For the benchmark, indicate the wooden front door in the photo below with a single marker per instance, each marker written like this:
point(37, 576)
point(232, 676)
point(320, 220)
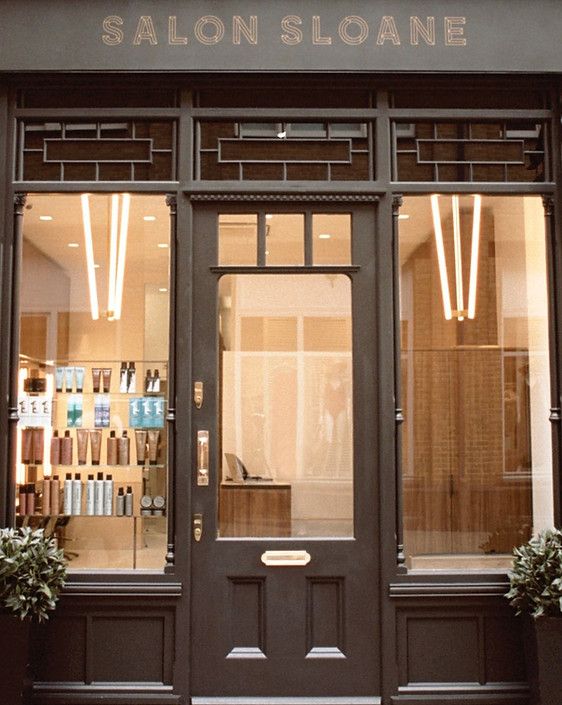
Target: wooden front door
point(285, 557)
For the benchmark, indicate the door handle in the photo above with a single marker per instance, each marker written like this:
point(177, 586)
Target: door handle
point(197, 527)
point(202, 458)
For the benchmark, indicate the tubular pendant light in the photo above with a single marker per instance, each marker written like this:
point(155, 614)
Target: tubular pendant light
point(460, 312)
point(122, 253)
point(441, 257)
point(113, 255)
point(474, 256)
point(92, 287)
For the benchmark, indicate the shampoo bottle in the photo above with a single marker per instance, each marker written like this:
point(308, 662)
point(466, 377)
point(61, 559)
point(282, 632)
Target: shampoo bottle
point(129, 502)
point(67, 506)
point(98, 495)
point(124, 449)
point(77, 494)
point(90, 496)
point(108, 496)
point(55, 496)
point(112, 450)
point(120, 503)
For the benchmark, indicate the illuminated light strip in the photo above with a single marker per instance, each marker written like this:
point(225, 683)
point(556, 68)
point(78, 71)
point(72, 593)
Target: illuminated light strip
point(20, 467)
point(458, 257)
point(441, 257)
point(87, 223)
point(474, 256)
point(113, 255)
point(47, 467)
point(120, 277)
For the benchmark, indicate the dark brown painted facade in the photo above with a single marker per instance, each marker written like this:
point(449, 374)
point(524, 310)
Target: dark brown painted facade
point(419, 637)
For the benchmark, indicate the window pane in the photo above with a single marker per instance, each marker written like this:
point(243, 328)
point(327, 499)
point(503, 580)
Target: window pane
point(286, 405)
point(284, 238)
point(477, 473)
point(94, 308)
point(331, 235)
point(238, 239)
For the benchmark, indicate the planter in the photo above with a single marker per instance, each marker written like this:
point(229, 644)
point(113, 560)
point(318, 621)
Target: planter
point(14, 645)
point(543, 651)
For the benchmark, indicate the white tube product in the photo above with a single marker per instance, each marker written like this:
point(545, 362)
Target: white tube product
point(67, 502)
point(108, 496)
point(98, 495)
point(90, 496)
point(77, 495)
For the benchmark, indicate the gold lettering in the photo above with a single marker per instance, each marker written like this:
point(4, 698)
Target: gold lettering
point(173, 31)
point(292, 35)
point(454, 31)
point(425, 31)
point(216, 23)
point(115, 35)
point(343, 30)
point(317, 37)
point(387, 30)
point(145, 30)
point(239, 28)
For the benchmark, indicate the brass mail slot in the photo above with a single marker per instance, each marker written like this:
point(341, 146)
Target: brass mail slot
point(280, 558)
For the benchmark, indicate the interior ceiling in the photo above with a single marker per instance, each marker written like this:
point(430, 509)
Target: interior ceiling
point(51, 237)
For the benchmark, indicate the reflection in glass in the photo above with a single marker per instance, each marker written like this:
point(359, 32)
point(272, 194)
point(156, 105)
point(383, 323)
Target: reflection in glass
point(476, 450)
point(238, 239)
point(286, 405)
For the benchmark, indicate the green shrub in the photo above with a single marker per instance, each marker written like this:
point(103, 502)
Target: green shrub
point(536, 576)
point(32, 572)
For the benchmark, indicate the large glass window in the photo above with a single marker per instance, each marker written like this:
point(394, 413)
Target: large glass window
point(286, 405)
point(91, 455)
point(476, 443)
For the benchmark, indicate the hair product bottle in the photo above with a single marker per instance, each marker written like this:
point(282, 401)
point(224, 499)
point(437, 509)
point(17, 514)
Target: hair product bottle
point(112, 449)
point(67, 505)
point(120, 503)
point(22, 508)
point(55, 496)
point(129, 502)
point(77, 494)
point(26, 445)
point(38, 445)
point(123, 378)
point(140, 445)
point(82, 445)
point(55, 448)
point(108, 496)
point(46, 498)
point(66, 449)
point(131, 378)
point(95, 445)
point(90, 496)
point(30, 499)
point(98, 495)
point(124, 449)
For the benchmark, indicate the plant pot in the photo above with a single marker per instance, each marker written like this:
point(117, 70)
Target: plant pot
point(543, 649)
point(14, 645)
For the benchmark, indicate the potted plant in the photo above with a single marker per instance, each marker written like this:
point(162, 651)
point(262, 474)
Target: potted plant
point(536, 590)
point(32, 573)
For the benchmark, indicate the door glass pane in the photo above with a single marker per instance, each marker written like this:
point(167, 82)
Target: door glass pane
point(238, 239)
point(91, 440)
point(286, 405)
point(284, 238)
point(477, 456)
point(331, 236)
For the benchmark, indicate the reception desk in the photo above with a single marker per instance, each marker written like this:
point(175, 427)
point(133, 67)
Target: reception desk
point(255, 509)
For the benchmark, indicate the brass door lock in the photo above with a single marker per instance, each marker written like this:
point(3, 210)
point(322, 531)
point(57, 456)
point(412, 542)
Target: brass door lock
point(197, 527)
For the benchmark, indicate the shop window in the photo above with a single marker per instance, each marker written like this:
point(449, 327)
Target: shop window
point(507, 151)
point(284, 239)
point(475, 387)
point(91, 437)
point(281, 151)
point(97, 151)
point(286, 405)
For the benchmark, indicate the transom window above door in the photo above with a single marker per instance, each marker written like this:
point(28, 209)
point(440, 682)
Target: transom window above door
point(284, 239)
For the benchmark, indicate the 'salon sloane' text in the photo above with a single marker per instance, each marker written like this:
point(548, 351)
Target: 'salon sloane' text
point(293, 30)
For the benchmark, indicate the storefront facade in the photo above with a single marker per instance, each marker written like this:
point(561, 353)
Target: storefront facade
point(281, 342)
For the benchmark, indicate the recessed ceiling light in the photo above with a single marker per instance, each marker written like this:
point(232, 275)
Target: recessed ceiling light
point(162, 245)
point(267, 252)
point(269, 216)
point(324, 236)
point(45, 217)
point(74, 244)
point(96, 266)
point(403, 216)
point(149, 218)
point(162, 289)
